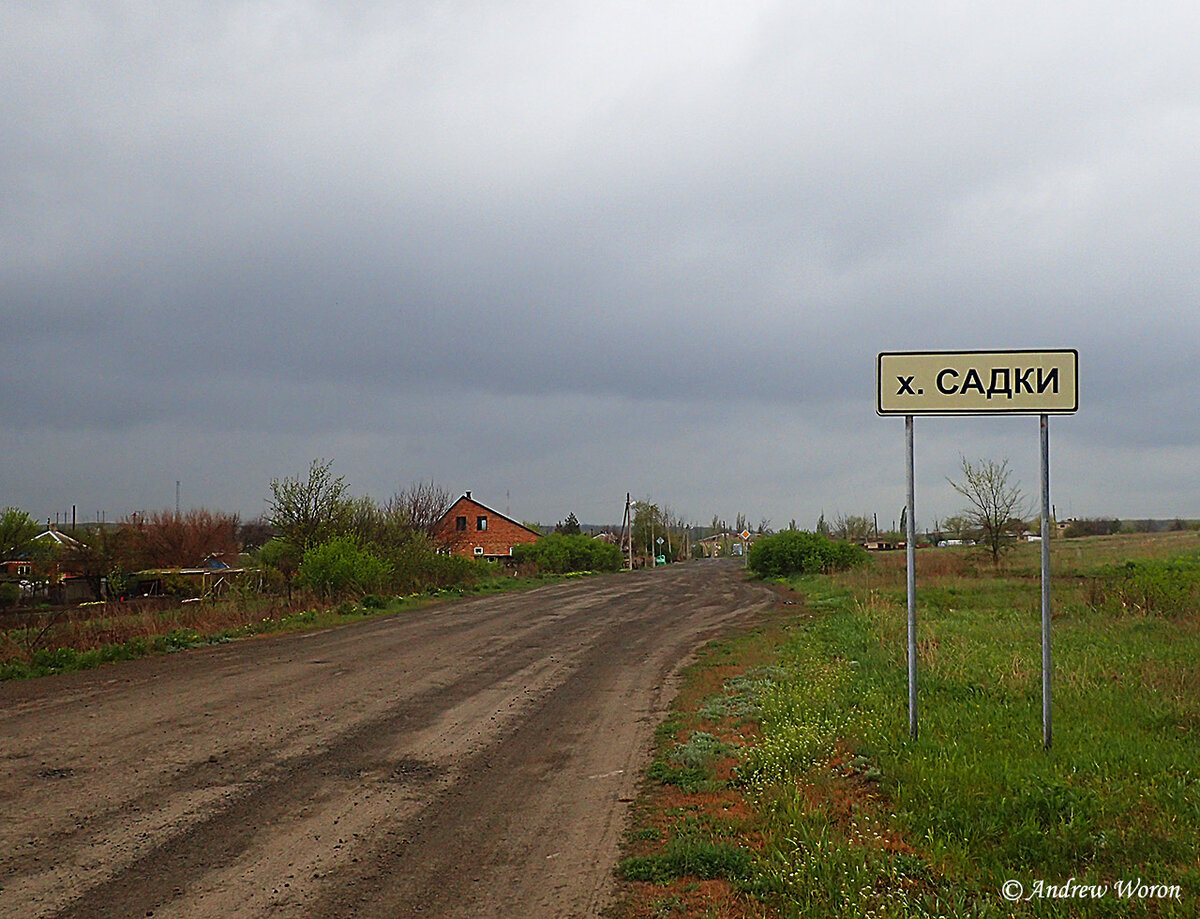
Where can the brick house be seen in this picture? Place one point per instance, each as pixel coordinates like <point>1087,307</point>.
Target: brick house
<point>476,531</point>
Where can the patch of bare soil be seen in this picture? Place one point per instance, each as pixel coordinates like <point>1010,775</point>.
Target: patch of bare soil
<point>474,759</point>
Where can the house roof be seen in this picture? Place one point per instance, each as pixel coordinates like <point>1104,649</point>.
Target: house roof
<point>61,539</point>
<point>483,507</point>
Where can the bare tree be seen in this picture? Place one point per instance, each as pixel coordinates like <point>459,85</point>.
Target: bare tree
<point>422,505</point>
<point>996,504</point>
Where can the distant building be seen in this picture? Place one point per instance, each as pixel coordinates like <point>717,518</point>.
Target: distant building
<point>725,544</point>
<point>474,530</point>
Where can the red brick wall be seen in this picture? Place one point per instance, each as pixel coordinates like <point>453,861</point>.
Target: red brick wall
<point>498,538</point>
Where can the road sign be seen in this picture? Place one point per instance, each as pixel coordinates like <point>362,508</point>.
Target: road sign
<point>660,540</point>
<point>1040,383</point>
<point>977,382</point>
<point>745,534</point>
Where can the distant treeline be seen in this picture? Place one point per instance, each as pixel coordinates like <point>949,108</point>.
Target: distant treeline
<point>1107,526</point>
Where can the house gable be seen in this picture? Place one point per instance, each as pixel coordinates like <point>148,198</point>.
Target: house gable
<point>474,530</point>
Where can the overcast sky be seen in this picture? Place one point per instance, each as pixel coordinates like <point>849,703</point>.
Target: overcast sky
<point>554,252</point>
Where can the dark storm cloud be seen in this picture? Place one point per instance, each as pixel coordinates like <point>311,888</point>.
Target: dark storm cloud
<point>519,246</point>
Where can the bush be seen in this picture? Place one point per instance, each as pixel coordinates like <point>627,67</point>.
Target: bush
<point>1154,587</point>
<point>339,567</point>
<point>800,552</point>
<point>417,567</point>
<point>10,594</point>
<point>559,553</point>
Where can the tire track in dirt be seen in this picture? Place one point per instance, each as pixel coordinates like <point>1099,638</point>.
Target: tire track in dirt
<point>468,759</point>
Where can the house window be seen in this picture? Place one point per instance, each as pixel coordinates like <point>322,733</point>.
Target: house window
<point>481,523</point>
<point>479,550</point>
<point>460,524</point>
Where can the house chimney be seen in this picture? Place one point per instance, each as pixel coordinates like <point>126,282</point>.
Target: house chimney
<point>468,496</point>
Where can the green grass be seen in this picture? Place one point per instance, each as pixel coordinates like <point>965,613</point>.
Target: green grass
<point>935,826</point>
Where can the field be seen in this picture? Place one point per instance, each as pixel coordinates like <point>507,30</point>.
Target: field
<point>786,784</point>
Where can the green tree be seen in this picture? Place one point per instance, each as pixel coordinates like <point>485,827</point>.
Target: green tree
<point>995,503</point>
<point>17,529</point>
<point>310,510</point>
<point>281,556</point>
<point>823,528</point>
<point>568,527</point>
<point>852,527</point>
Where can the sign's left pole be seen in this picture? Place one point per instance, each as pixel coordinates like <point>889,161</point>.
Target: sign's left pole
<point>910,552</point>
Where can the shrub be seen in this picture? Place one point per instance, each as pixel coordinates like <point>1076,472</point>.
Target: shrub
<point>800,552</point>
<point>559,553</point>
<point>10,593</point>
<point>416,567</point>
<point>340,566</point>
<point>1154,587</point>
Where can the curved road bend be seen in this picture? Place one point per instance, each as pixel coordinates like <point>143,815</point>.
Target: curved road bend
<point>471,759</point>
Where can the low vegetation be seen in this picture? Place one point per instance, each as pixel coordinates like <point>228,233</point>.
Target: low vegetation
<point>798,552</point>
<point>561,553</point>
<point>839,813</point>
<point>174,580</point>
<point>40,643</point>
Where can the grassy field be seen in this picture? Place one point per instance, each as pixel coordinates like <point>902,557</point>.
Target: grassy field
<point>804,738</point>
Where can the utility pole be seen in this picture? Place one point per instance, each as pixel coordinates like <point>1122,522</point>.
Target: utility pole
<point>627,532</point>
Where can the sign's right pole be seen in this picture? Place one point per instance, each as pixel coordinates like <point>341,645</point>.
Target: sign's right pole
<point>910,549</point>
<point>1045,430</point>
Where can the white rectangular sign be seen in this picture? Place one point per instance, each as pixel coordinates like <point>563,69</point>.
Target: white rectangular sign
<point>978,382</point>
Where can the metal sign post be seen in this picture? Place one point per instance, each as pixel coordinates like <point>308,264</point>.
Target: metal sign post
<point>978,383</point>
<point>910,553</point>
<point>1045,438</point>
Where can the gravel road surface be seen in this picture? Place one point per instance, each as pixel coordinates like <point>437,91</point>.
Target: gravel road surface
<point>471,759</point>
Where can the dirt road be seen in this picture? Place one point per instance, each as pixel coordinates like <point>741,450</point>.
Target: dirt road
<point>472,760</point>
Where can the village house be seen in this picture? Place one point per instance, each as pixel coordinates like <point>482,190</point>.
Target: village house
<point>476,531</point>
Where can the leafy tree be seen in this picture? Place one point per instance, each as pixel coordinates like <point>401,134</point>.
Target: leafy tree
<point>17,529</point>
<point>568,527</point>
<point>995,503</point>
<point>311,510</point>
<point>823,528</point>
<point>281,556</point>
<point>651,523</point>
<point>852,527</point>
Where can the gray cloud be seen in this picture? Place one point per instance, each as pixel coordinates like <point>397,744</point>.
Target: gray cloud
<point>567,250</point>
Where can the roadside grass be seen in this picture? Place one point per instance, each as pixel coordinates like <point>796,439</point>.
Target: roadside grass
<point>692,845</point>
<point>845,816</point>
<point>98,634</point>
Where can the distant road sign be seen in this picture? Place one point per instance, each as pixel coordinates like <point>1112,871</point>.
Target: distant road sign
<point>977,382</point>
<point>745,534</point>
